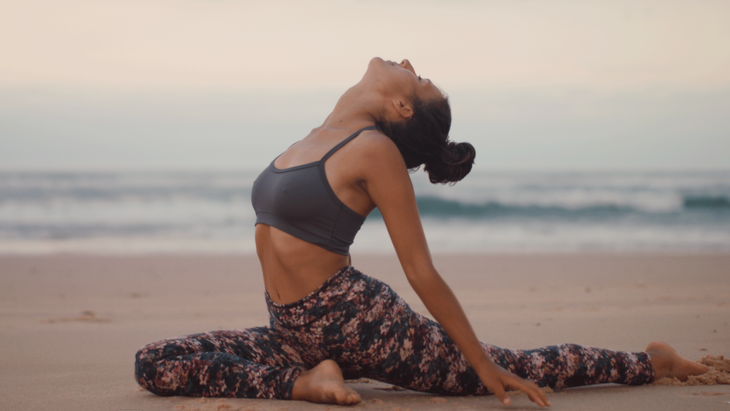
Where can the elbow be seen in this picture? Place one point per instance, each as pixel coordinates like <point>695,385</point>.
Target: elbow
<point>418,273</point>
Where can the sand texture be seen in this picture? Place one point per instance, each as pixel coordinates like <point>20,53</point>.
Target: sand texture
<point>70,324</point>
<point>719,373</point>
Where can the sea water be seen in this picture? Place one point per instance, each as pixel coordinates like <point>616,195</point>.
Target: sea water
<point>489,211</point>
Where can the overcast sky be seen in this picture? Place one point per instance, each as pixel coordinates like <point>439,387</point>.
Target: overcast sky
<point>226,83</point>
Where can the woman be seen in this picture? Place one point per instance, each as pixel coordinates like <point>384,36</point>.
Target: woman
<point>327,320</point>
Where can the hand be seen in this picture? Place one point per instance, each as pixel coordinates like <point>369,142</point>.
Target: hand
<point>498,380</point>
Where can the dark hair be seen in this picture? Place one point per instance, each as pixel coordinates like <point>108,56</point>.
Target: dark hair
<point>424,139</point>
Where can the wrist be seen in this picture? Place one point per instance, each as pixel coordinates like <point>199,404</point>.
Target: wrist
<point>485,366</point>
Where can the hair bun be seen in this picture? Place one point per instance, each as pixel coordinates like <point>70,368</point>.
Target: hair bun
<point>453,163</point>
<point>424,139</point>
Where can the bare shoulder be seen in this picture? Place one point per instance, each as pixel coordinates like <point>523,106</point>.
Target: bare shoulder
<point>378,149</point>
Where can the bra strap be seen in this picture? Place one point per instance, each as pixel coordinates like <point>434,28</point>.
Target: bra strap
<point>345,141</point>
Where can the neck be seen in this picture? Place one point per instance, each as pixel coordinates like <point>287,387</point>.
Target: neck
<point>358,107</point>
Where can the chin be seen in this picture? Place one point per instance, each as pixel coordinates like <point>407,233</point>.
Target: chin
<point>376,60</point>
<point>376,65</point>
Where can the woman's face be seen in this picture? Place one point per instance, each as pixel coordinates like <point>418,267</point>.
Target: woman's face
<point>402,77</point>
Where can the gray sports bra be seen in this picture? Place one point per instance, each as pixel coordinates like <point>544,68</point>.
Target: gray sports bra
<point>299,201</point>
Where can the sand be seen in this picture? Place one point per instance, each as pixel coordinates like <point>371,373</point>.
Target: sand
<point>70,324</point>
<point>719,373</point>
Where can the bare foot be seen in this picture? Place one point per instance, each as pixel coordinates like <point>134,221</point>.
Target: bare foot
<point>667,363</point>
<point>324,384</point>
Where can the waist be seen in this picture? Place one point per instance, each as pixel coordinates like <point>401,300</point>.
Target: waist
<point>292,268</point>
<point>346,290</point>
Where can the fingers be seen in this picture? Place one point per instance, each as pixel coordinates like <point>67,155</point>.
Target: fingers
<point>535,394</point>
<point>505,380</point>
<point>501,394</point>
<point>533,391</point>
<point>539,398</point>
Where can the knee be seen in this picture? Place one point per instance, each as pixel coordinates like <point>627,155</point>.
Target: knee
<point>145,357</point>
<point>145,370</point>
<point>142,365</point>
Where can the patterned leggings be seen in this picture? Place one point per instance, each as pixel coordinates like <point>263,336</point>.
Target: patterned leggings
<point>364,326</point>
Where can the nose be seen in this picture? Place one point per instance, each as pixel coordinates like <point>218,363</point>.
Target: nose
<point>407,65</point>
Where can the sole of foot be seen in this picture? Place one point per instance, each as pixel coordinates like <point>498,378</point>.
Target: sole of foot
<point>324,384</point>
<point>667,363</point>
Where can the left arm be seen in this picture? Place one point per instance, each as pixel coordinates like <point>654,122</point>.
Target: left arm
<point>389,187</point>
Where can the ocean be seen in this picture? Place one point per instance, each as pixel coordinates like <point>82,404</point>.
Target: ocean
<point>490,211</point>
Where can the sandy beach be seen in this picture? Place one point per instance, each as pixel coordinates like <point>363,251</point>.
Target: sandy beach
<point>72,323</point>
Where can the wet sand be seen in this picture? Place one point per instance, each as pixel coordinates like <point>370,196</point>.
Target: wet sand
<point>70,324</point>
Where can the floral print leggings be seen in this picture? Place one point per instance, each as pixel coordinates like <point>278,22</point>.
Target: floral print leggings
<point>364,326</point>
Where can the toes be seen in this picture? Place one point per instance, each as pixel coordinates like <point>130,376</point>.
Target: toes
<point>342,397</point>
<point>325,385</point>
<point>338,393</point>
<point>353,398</point>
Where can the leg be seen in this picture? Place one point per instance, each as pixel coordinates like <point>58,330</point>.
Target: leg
<point>423,358</point>
<point>252,363</point>
<point>572,365</point>
<point>411,351</point>
<point>362,324</point>
<point>371,332</point>
<point>386,341</point>
<point>415,352</point>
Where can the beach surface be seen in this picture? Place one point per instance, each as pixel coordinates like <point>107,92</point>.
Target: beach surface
<point>70,324</point>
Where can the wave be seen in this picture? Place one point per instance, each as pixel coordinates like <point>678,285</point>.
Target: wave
<point>483,197</point>
<point>82,187</point>
<point>435,207</point>
<point>515,211</point>
<point>712,202</point>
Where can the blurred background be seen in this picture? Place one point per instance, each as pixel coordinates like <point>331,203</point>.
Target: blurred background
<point>140,125</point>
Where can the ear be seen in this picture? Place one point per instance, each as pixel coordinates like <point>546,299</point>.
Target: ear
<point>403,107</point>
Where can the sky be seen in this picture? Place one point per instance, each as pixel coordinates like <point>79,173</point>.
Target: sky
<point>205,84</point>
